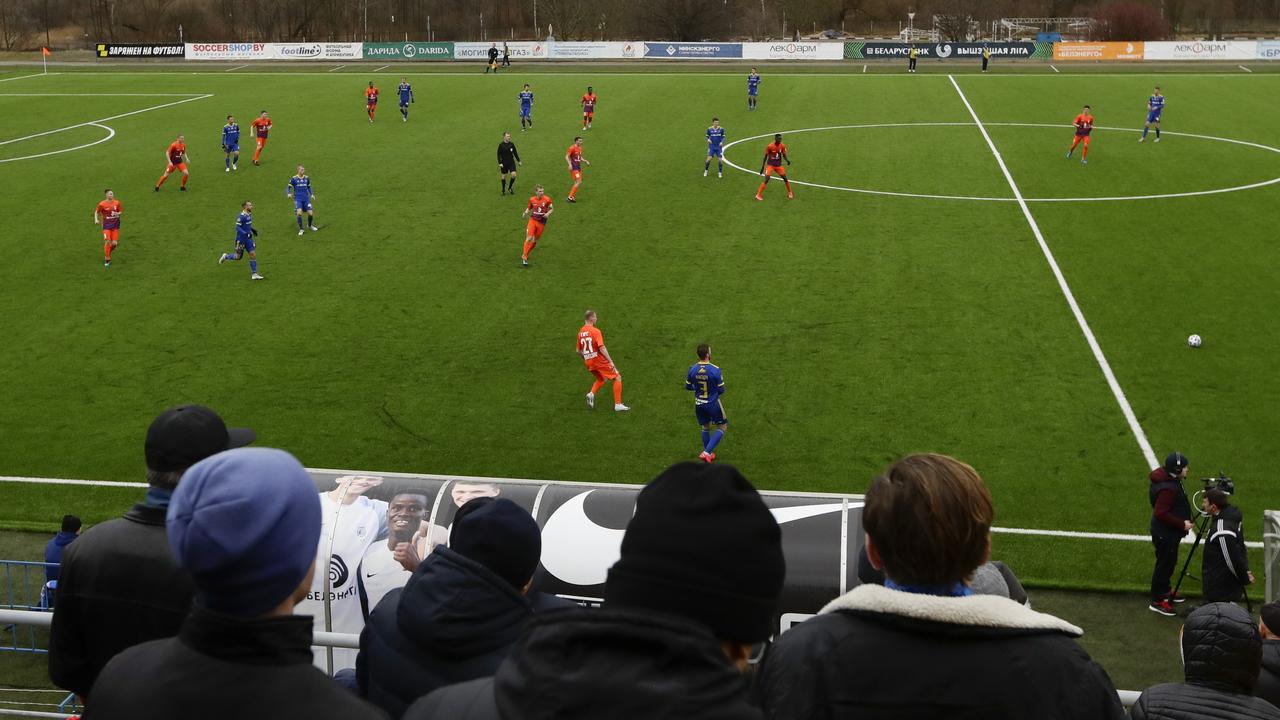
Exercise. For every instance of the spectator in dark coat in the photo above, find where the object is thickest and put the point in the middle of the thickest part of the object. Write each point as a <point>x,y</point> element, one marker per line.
<point>1170,522</point>
<point>119,584</point>
<point>696,586</point>
<point>925,645</point>
<point>53,550</point>
<point>459,613</point>
<point>245,525</point>
<point>1268,687</point>
<point>1221,654</point>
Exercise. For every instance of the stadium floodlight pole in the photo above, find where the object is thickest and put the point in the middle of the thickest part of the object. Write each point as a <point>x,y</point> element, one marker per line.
<point>535,18</point>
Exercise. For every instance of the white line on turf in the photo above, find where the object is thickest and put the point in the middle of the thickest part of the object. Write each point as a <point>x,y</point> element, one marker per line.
<point>1072,534</point>
<point>384,67</point>
<point>98,94</point>
<point>1143,444</point>
<point>1126,77</point>
<point>1054,68</point>
<point>1244,68</point>
<point>110,134</point>
<point>979,198</point>
<point>336,68</point>
<point>237,68</point>
<point>105,119</point>
<point>24,77</point>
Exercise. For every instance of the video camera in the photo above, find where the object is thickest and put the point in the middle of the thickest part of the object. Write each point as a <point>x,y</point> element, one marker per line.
<point>1221,482</point>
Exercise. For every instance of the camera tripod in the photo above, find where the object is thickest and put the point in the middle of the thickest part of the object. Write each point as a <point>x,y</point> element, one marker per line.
<point>1201,530</point>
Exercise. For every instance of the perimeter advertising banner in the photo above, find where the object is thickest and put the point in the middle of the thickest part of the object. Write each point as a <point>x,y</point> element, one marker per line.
<point>1202,50</point>
<point>274,51</point>
<point>944,51</point>
<point>368,516</point>
<point>793,51</point>
<point>1104,51</point>
<point>1269,49</point>
<point>592,50</point>
<point>130,50</point>
<point>692,51</point>
<point>480,50</point>
<point>409,51</point>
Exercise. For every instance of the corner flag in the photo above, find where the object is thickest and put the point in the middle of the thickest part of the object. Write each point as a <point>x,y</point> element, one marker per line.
<point>44,53</point>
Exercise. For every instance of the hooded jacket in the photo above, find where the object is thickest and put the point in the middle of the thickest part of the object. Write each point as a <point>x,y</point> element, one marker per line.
<point>1225,563</point>
<point>1221,651</point>
<point>595,664</point>
<point>1268,687</point>
<point>454,620</point>
<point>1170,508</point>
<point>880,654</point>
<point>53,553</point>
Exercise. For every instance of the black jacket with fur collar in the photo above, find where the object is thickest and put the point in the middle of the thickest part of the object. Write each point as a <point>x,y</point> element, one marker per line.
<point>878,653</point>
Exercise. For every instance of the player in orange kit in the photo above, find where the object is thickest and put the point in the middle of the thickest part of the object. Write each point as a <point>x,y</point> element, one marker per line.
<point>588,108</point>
<point>538,210</point>
<point>573,156</point>
<point>371,99</point>
<point>1084,126</point>
<point>107,214</point>
<point>591,348</point>
<point>774,155</point>
<point>176,159</point>
<point>261,126</point>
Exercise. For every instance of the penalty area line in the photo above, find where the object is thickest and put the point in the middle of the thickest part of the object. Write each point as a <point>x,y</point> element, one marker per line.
<point>105,119</point>
<point>24,77</point>
<point>1121,399</point>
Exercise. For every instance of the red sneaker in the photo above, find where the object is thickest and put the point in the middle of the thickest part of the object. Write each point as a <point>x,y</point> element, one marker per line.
<point>1164,607</point>
<point>707,457</point>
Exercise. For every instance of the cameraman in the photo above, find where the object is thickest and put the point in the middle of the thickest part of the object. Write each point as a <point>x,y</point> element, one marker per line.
<point>1225,567</point>
<point>1170,522</point>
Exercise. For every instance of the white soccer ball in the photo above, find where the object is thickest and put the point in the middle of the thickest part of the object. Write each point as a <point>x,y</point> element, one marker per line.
<point>1193,341</point>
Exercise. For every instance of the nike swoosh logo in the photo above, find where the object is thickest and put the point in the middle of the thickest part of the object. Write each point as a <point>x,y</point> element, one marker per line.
<point>579,551</point>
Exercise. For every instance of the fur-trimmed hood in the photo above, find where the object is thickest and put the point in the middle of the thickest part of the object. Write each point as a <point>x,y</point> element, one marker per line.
<point>982,611</point>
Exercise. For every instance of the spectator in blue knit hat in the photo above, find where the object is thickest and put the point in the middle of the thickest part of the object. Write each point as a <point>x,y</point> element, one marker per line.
<point>245,525</point>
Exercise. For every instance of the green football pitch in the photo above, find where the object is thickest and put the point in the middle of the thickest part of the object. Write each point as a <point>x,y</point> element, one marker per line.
<point>853,326</point>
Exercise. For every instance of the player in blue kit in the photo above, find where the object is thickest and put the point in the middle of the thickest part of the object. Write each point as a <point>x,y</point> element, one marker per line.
<point>526,108</point>
<point>1155,106</point>
<point>753,89</point>
<point>231,143</point>
<point>245,234</point>
<point>707,383</point>
<point>300,190</point>
<point>405,90</point>
<point>715,147</point>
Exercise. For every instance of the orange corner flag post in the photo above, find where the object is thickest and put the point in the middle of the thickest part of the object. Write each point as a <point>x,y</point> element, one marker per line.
<point>44,52</point>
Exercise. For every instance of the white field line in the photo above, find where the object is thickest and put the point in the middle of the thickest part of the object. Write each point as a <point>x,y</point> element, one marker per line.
<point>105,119</point>
<point>235,68</point>
<point>384,67</point>
<point>1054,68</point>
<point>24,77</point>
<point>633,73</point>
<point>1244,68</point>
<point>110,134</point>
<point>1008,531</point>
<point>98,94</point>
<point>1138,434</point>
<point>336,68</point>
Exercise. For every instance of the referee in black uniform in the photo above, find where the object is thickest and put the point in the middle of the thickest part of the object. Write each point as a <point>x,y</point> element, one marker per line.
<point>508,159</point>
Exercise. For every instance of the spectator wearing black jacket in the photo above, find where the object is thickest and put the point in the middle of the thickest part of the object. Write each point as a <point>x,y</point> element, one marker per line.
<point>697,584</point>
<point>54,548</point>
<point>1170,522</point>
<point>1268,687</point>
<point>244,524</point>
<point>1224,568</point>
<point>119,584</point>
<point>1221,655</point>
<point>458,615</point>
<point>925,645</point>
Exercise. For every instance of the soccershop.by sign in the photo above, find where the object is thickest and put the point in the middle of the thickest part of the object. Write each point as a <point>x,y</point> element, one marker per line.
<point>228,51</point>
<point>409,51</point>
<point>132,50</point>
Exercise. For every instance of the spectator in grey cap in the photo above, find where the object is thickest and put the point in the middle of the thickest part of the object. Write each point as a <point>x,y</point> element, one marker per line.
<point>119,584</point>
<point>245,525</point>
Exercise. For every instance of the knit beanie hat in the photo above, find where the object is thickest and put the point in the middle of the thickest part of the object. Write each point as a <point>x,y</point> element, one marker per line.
<point>702,545</point>
<point>246,524</point>
<point>500,535</point>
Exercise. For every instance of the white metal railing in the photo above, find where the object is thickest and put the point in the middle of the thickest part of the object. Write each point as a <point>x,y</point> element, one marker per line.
<point>321,639</point>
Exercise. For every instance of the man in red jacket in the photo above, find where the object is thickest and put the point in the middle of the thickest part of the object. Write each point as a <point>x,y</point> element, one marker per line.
<point>1170,522</point>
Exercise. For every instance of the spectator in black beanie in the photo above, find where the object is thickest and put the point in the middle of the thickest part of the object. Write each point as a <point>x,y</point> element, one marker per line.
<point>697,584</point>
<point>1268,687</point>
<point>458,615</point>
